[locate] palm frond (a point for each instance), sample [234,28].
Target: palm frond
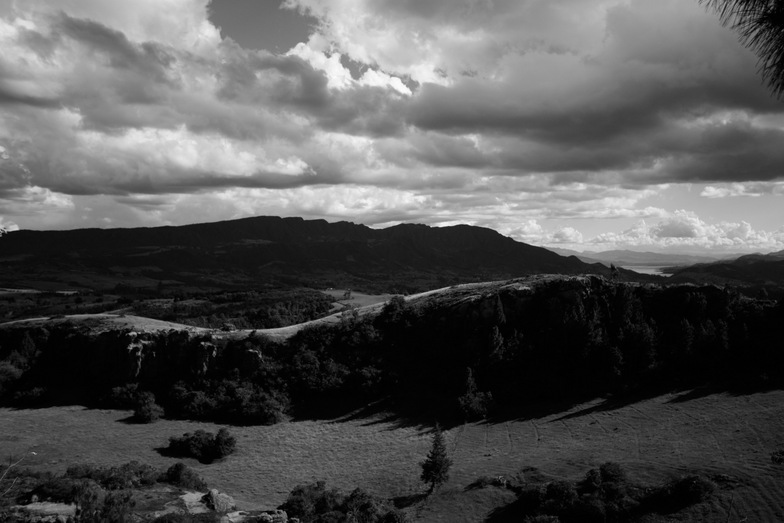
[760,25]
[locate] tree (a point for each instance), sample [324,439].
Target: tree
[147,410]
[435,469]
[760,24]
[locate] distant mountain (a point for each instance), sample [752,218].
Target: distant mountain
[751,269]
[634,258]
[272,252]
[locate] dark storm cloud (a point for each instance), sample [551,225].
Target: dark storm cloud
[148,59]
[731,152]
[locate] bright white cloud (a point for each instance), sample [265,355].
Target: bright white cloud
[686,230]
[743,189]
[537,118]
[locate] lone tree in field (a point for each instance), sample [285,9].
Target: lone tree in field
[435,469]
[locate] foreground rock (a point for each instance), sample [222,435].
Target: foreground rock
[218,501]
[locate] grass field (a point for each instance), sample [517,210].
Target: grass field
[654,440]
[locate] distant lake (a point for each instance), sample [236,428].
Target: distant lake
[647,269]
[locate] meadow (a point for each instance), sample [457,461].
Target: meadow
[726,437]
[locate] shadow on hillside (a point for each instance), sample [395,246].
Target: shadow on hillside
[383,412]
[387,415]
[609,404]
[402,502]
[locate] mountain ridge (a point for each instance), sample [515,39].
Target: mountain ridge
[273,251]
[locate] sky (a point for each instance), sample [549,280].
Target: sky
[582,124]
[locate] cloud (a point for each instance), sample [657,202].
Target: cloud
[756,189]
[684,229]
[508,114]
[7,226]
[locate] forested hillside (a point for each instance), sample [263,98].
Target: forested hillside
[473,351]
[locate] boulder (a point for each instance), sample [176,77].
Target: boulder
[276,516]
[218,501]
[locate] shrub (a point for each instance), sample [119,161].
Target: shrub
[182,476]
[307,501]
[688,490]
[777,457]
[560,497]
[489,481]
[147,410]
[612,472]
[361,506]
[225,443]
[203,445]
[315,503]
[126,476]
[60,489]
[124,397]
[31,397]
[474,404]
[116,507]
[394,516]
[9,374]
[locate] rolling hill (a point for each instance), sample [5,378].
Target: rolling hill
[762,270]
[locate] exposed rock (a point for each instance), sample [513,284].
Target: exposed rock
[204,354]
[276,516]
[251,361]
[45,511]
[218,501]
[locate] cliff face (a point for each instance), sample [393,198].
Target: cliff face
[516,341]
[69,356]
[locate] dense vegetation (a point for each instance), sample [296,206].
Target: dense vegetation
[99,493]
[241,310]
[202,445]
[465,357]
[314,503]
[603,495]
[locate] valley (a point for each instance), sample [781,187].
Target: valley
[539,369]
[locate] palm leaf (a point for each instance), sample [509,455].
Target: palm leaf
[760,24]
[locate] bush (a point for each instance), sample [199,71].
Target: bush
[124,397]
[315,503]
[126,476]
[203,445]
[394,516]
[777,457]
[182,476]
[31,397]
[147,410]
[681,493]
[560,497]
[59,490]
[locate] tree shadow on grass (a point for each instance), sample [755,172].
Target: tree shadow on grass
[167,452]
[402,502]
[131,420]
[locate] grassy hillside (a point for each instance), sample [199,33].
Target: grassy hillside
[726,437]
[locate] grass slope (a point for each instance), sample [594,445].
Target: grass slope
[654,440]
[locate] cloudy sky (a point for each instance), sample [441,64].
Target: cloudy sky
[584,124]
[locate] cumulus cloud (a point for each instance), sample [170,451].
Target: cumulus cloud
[684,229]
[524,116]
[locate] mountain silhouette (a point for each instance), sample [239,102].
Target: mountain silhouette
[269,251]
